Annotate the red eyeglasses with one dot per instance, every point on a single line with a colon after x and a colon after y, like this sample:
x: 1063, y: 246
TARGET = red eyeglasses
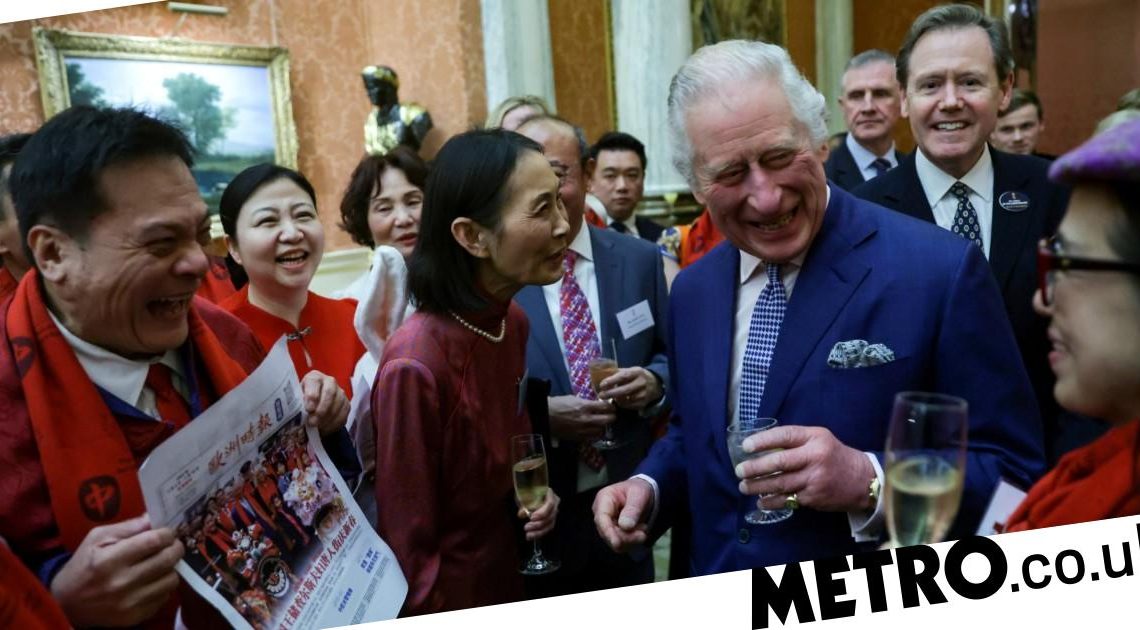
x: 1050, y: 260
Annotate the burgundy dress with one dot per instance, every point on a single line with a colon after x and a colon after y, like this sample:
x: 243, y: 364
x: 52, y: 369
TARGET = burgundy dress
x: 445, y: 405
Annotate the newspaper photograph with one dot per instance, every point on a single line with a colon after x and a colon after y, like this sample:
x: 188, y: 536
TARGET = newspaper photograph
x: 273, y: 537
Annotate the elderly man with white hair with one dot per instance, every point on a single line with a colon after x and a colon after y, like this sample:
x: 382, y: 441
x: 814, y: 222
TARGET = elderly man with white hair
x: 817, y: 310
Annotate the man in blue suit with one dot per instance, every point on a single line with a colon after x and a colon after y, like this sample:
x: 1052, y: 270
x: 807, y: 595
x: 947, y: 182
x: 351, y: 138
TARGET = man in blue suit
x: 619, y: 286
x: 761, y: 323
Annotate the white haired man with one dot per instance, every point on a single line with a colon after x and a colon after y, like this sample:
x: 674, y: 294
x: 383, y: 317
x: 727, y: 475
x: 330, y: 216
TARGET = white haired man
x: 808, y: 271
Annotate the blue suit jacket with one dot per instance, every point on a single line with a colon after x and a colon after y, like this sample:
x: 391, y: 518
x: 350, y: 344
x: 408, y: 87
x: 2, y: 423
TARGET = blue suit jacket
x: 628, y: 271
x: 870, y: 274
x: 1013, y: 252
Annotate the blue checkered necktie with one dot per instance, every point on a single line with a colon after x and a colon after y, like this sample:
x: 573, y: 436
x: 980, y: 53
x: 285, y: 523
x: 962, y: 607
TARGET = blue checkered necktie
x: 965, y: 217
x: 762, y: 333
x: 881, y: 165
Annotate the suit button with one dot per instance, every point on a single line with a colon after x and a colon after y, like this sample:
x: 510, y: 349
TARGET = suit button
x: 744, y: 536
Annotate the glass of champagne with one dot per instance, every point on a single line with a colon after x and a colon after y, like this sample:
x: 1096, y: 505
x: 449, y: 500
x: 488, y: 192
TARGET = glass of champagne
x: 601, y: 368
x: 926, y: 464
x: 528, y: 457
x: 737, y: 432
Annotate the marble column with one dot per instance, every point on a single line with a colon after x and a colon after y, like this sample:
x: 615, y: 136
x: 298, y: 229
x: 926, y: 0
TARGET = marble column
x: 834, y: 42
x: 516, y: 50
x: 651, y: 40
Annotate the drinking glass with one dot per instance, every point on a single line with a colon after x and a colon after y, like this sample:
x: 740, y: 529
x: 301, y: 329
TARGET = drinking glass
x: 925, y: 466
x: 601, y: 368
x: 737, y: 432
x: 528, y: 457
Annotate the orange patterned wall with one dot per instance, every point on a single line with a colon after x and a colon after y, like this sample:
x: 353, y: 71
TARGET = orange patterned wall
x: 329, y: 41
x: 579, y: 34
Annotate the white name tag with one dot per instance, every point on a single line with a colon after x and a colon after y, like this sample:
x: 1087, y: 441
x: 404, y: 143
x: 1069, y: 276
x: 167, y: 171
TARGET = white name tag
x: 635, y: 319
x: 1005, y: 500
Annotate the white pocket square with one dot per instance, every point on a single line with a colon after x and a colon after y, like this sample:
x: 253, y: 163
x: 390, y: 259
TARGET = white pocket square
x: 857, y: 353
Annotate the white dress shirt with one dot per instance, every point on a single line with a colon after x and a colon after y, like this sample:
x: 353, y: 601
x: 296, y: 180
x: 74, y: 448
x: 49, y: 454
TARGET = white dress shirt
x: 980, y: 182
x: 124, y: 378
x: 588, y: 281
x: 863, y: 158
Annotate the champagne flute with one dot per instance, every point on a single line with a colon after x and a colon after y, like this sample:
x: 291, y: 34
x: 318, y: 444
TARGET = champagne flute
x: 737, y: 432
x: 528, y: 457
x: 926, y: 464
x: 601, y: 368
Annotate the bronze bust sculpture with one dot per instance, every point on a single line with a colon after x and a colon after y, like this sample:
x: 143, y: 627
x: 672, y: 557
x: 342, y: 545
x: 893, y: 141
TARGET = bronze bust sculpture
x: 391, y: 123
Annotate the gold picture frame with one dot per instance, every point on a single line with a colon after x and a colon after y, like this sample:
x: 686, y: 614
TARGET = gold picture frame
x: 247, y: 84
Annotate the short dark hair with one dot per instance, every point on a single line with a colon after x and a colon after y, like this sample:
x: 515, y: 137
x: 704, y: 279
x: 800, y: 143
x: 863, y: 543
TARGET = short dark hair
x: 246, y: 183
x: 956, y: 16
x: 468, y: 179
x: 619, y: 141
x: 579, y: 135
x: 1020, y: 98
x: 366, y: 178
x: 55, y: 181
x: 10, y: 146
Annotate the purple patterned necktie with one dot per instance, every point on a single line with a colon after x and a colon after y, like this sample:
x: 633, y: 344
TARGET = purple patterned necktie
x: 581, y: 340
x: 763, y: 330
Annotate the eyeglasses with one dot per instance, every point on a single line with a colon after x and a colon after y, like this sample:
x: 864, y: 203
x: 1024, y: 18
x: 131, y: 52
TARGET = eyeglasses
x: 1050, y: 260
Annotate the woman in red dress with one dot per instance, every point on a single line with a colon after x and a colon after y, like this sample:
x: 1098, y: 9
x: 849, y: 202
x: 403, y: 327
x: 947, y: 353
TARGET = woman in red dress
x: 449, y: 395
x: 269, y: 214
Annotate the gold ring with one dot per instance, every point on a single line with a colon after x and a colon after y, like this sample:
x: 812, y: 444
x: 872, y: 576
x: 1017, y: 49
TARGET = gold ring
x: 791, y: 503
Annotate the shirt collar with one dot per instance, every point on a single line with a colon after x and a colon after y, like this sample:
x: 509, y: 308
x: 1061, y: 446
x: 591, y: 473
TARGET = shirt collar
x: 936, y: 182
x: 863, y: 157
x: 629, y: 223
x: 122, y: 377
x: 581, y: 244
x: 749, y: 264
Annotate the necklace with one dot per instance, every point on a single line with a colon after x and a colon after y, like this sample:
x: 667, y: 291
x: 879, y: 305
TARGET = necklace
x: 482, y: 333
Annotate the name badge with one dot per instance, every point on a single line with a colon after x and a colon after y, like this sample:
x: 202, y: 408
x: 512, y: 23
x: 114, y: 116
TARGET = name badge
x: 1004, y: 501
x: 635, y: 319
x: 1014, y: 201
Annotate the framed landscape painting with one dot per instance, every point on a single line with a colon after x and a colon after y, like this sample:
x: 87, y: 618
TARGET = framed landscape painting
x: 233, y: 102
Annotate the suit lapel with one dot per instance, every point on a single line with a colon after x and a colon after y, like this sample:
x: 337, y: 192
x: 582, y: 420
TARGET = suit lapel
x: 533, y: 301
x: 906, y: 191
x: 1009, y: 228
x: 608, y: 272
x: 713, y: 321
x: 826, y: 282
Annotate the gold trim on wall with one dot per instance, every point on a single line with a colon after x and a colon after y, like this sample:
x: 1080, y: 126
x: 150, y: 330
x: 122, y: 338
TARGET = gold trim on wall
x: 52, y: 46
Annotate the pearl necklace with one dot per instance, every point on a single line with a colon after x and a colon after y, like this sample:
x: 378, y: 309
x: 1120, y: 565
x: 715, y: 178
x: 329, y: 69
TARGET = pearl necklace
x: 482, y: 333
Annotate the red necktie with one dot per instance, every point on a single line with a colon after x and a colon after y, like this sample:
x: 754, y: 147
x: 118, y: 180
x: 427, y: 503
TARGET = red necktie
x: 581, y: 340
x: 171, y: 406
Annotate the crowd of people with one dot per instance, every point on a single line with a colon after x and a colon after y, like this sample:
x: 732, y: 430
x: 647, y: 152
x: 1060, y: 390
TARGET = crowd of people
x: 975, y: 265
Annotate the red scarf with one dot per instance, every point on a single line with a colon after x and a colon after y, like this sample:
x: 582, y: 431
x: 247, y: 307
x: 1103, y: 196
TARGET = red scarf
x: 1098, y: 481
x: 699, y: 239
x: 87, y: 462
x: 24, y: 602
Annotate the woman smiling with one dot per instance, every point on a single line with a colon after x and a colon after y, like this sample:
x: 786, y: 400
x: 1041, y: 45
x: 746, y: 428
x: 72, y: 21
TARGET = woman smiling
x: 269, y: 214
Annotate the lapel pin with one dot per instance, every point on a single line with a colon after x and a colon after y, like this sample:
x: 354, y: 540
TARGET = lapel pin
x: 1014, y: 201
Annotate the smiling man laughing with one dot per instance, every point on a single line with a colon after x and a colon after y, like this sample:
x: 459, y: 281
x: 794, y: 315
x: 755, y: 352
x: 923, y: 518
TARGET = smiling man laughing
x: 105, y: 352
x: 759, y: 327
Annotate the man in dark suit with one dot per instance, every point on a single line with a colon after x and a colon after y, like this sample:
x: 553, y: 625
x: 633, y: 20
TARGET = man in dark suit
x: 870, y: 102
x: 1020, y: 125
x: 956, y: 69
x: 817, y: 311
x: 615, y: 172
x: 612, y: 298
